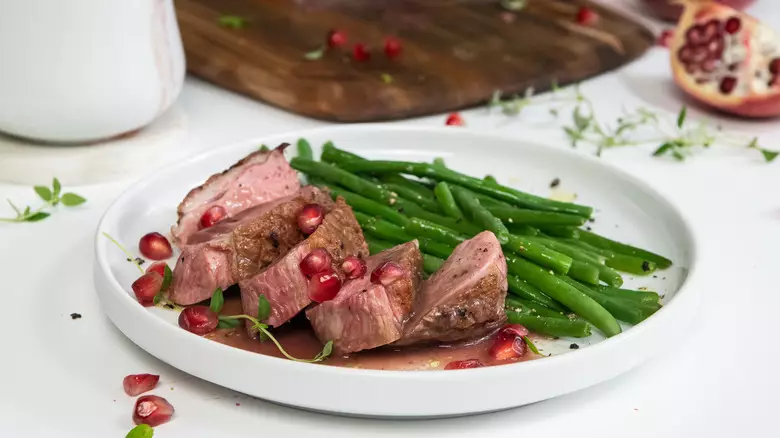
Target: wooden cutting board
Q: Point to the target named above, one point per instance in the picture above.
(455, 53)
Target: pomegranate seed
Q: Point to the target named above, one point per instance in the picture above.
(694, 34)
(454, 119)
(198, 319)
(316, 262)
(324, 286)
(685, 54)
(513, 330)
(354, 267)
(146, 287)
(710, 29)
(727, 84)
(733, 25)
(155, 246)
(135, 384)
(587, 16)
(152, 410)
(158, 267)
(310, 218)
(336, 38)
(360, 53)
(504, 348)
(464, 364)
(211, 216)
(774, 66)
(665, 38)
(386, 273)
(392, 47)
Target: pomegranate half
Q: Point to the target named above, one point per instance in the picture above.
(670, 10)
(727, 59)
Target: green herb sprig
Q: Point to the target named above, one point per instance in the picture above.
(263, 312)
(531, 345)
(51, 196)
(232, 21)
(141, 431)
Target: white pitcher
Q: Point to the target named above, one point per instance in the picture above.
(85, 70)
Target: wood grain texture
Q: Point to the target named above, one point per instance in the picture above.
(455, 53)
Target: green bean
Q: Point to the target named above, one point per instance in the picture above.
(382, 229)
(431, 264)
(605, 273)
(522, 289)
(641, 296)
(628, 311)
(443, 174)
(585, 272)
(625, 263)
(554, 327)
(522, 229)
(566, 294)
(622, 248)
(535, 217)
(539, 254)
(447, 201)
(490, 179)
(304, 149)
(334, 155)
(479, 214)
(427, 203)
(411, 185)
(564, 232)
(525, 306)
(331, 173)
(422, 228)
(376, 245)
(487, 201)
(439, 162)
(369, 206)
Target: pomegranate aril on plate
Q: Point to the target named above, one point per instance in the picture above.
(508, 347)
(336, 38)
(454, 119)
(392, 47)
(386, 273)
(511, 330)
(146, 287)
(354, 267)
(360, 53)
(310, 218)
(135, 384)
(198, 319)
(158, 267)
(155, 246)
(317, 261)
(152, 410)
(210, 217)
(324, 286)
(463, 364)
(587, 16)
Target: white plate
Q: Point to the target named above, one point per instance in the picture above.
(626, 209)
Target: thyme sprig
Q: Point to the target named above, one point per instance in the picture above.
(51, 197)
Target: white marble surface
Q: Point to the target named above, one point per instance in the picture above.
(63, 377)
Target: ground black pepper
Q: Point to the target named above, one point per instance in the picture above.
(555, 183)
(574, 346)
(75, 316)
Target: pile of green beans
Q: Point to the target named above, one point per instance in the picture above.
(562, 279)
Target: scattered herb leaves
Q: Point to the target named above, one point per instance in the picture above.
(513, 5)
(264, 148)
(166, 284)
(263, 308)
(681, 116)
(217, 301)
(386, 78)
(130, 257)
(531, 344)
(51, 197)
(141, 431)
(233, 21)
(769, 156)
(315, 54)
(228, 323)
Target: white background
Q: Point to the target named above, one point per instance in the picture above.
(62, 377)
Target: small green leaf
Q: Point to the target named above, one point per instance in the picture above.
(681, 116)
(37, 217)
(386, 78)
(531, 345)
(56, 187)
(664, 148)
(26, 210)
(167, 278)
(678, 155)
(263, 308)
(141, 431)
(44, 193)
(327, 349)
(72, 199)
(228, 322)
(580, 121)
(573, 135)
(513, 5)
(753, 143)
(217, 301)
(315, 54)
(769, 156)
(232, 21)
(157, 298)
(264, 148)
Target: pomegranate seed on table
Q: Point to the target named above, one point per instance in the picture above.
(665, 38)
(336, 38)
(198, 319)
(454, 119)
(354, 267)
(392, 47)
(155, 246)
(324, 286)
(146, 287)
(360, 53)
(316, 262)
(152, 410)
(158, 267)
(310, 218)
(211, 216)
(135, 384)
(587, 16)
(464, 364)
(386, 273)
